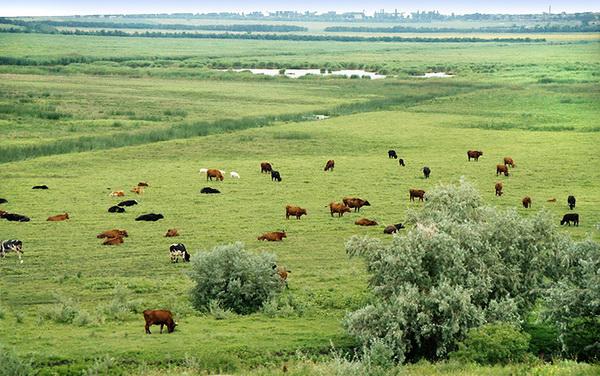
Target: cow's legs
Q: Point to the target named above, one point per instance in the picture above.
(161, 328)
(147, 327)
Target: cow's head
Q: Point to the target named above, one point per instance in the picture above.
(367, 203)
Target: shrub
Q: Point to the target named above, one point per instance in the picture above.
(12, 365)
(65, 311)
(238, 280)
(121, 305)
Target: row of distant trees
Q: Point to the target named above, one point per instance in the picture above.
(547, 28)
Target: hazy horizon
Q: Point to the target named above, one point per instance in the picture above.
(75, 7)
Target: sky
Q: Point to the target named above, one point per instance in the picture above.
(72, 7)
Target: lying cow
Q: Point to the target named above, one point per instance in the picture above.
(416, 193)
(137, 190)
(501, 169)
(58, 217)
(209, 190)
(338, 208)
(149, 217)
(143, 184)
(571, 202)
(171, 233)
(426, 172)
(365, 222)
(12, 217)
(116, 209)
(234, 175)
(475, 154)
(392, 154)
(508, 161)
(117, 194)
(275, 236)
(526, 202)
(214, 173)
(114, 233)
(3, 201)
(392, 229)
(355, 203)
(265, 167)
(329, 165)
(159, 317)
(294, 211)
(128, 203)
(113, 241)
(178, 250)
(571, 217)
(39, 187)
(13, 245)
(499, 187)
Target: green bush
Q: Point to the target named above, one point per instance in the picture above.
(581, 338)
(544, 340)
(238, 280)
(494, 343)
(12, 365)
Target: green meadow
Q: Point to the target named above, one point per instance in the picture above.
(89, 115)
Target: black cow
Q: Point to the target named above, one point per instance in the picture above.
(13, 245)
(571, 217)
(3, 201)
(149, 217)
(275, 176)
(178, 250)
(116, 209)
(392, 154)
(40, 187)
(209, 190)
(14, 217)
(401, 162)
(571, 201)
(426, 172)
(127, 203)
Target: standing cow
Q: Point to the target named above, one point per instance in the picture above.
(13, 245)
(159, 317)
(508, 161)
(475, 154)
(392, 154)
(571, 202)
(214, 173)
(426, 172)
(499, 187)
(416, 193)
(178, 250)
(329, 165)
(265, 167)
(501, 169)
(526, 202)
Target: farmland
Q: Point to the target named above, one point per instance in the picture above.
(85, 114)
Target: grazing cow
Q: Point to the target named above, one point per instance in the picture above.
(282, 272)
(113, 241)
(265, 167)
(526, 202)
(11, 217)
(475, 154)
(501, 169)
(338, 208)
(3, 201)
(294, 211)
(365, 222)
(416, 193)
(39, 187)
(58, 217)
(149, 217)
(499, 187)
(391, 229)
(571, 217)
(114, 233)
(275, 176)
(553, 199)
(117, 194)
(508, 161)
(214, 173)
(128, 203)
(355, 203)
(13, 245)
(178, 250)
(159, 317)
(275, 236)
(203, 170)
(116, 209)
(426, 172)
(234, 175)
(209, 190)
(329, 165)
(571, 202)
(401, 162)
(143, 184)
(172, 232)
(392, 154)
(138, 190)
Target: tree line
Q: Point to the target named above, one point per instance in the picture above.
(548, 28)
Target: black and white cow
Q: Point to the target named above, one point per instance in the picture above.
(178, 250)
(13, 245)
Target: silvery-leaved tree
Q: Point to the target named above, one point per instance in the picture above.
(462, 264)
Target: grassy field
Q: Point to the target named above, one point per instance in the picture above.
(538, 104)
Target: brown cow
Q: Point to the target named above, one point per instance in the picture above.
(114, 233)
(501, 169)
(58, 218)
(355, 202)
(214, 173)
(117, 194)
(142, 184)
(159, 317)
(294, 211)
(172, 232)
(335, 207)
(526, 202)
(265, 167)
(392, 229)
(282, 272)
(113, 241)
(418, 193)
(329, 165)
(508, 161)
(138, 190)
(475, 154)
(499, 188)
(553, 199)
(365, 222)
(274, 236)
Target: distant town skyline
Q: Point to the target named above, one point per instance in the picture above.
(83, 7)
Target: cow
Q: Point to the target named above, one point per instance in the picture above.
(391, 229)
(11, 217)
(499, 187)
(338, 208)
(143, 184)
(274, 236)
(58, 217)
(355, 203)
(265, 167)
(40, 187)
(149, 217)
(172, 232)
(214, 173)
(526, 202)
(416, 193)
(508, 161)
(137, 190)
(475, 154)
(294, 211)
(501, 169)
(113, 241)
(571, 202)
(401, 162)
(114, 233)
(392, 154)
(426, 172)
(3, 201)
(178, 250)
(365, 222)
(275, 176)
(12, 245)
(209, 190)
(116, 209)
(553, 199)
(570, 217)
(117, 194)
(329, 165)
(282, 272)
(128, 203)
(159, 317)
(234, 175)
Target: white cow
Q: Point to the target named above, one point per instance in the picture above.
(234, 174)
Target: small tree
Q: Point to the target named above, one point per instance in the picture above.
(236, 279)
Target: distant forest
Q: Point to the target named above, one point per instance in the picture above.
(548, 28)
